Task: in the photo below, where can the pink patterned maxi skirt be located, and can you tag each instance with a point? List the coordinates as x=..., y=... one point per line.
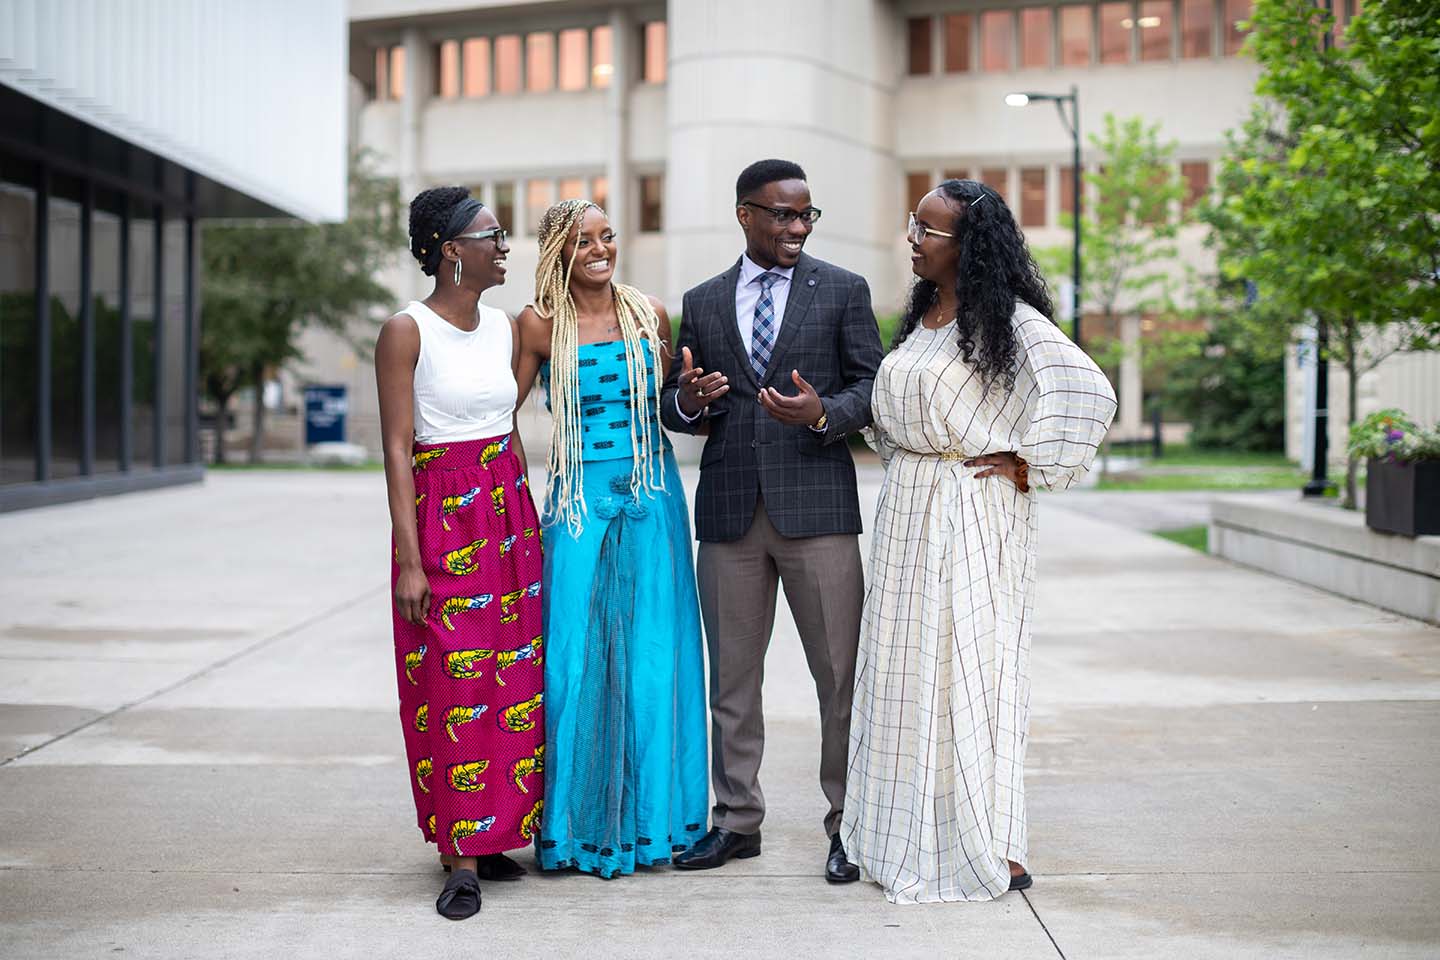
x=470, y=677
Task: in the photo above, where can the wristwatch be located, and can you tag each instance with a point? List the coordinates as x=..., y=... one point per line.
x=819, y=425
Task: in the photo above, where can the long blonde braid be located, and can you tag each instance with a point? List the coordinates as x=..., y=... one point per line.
x=564, y=485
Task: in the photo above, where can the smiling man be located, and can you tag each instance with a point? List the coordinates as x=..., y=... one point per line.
x=775, y=361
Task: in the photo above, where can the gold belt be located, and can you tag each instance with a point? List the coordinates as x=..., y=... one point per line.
x=952, y=455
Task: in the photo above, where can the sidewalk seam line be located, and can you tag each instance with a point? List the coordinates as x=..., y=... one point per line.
x=209, y=668
x=1024, y=896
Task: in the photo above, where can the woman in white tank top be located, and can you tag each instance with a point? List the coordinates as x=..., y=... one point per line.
x=466, y=568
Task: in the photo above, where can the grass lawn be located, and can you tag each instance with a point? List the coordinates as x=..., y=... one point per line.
x=1196, y=538
x=1249, y=478
x=1183, y=455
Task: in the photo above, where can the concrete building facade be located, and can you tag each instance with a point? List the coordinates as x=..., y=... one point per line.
x=652, y=108
x=123, y=124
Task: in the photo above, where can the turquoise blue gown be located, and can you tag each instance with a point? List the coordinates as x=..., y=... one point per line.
x=625, y=752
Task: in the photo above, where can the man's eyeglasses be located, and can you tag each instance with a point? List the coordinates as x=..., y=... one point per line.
x=784, y=215
x=916, y=232
x=497, y=233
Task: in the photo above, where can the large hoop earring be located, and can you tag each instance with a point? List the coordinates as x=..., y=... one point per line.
x=457, y=273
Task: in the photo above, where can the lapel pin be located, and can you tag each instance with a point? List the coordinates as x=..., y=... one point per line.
x=811, y=282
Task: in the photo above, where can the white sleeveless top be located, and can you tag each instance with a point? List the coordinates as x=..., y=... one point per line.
x=464, y=388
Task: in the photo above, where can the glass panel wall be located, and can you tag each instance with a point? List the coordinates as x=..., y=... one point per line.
x=66, y=349
x=18, y=350
x=173, y=330
x=144, y=381
x=105, y=290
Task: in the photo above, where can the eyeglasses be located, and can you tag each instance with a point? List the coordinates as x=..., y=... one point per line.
x=784, y=215
x=497, y=233
x=916, y=232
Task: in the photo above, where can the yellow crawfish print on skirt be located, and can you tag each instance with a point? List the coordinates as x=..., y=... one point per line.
x=477, y=785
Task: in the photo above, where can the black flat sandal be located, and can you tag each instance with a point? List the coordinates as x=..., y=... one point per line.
x=1021, y=882
x=497, y=866
x=460, y=899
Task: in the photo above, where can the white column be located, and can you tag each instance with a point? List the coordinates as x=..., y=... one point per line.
x=412, y=108
x=1132, y=390
x=618, y=174
x=736, y=94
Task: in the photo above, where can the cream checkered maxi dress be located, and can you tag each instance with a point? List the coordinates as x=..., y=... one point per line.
x=935, y=800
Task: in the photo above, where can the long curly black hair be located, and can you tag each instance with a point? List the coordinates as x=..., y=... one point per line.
x=994, y=269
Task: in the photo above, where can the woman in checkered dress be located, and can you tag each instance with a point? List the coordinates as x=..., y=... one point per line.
x=982, y=397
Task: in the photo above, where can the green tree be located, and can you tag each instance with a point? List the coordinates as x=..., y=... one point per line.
x=1127, y=230
x=265, y=282
x=1328, y=198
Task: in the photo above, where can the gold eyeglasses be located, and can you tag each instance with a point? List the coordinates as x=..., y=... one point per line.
x=916, y=232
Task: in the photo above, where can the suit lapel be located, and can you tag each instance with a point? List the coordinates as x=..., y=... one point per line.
x=797, y=305
x=723, y=305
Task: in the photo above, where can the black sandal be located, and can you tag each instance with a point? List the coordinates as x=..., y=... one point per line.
x=497, y=866
x=1021, y=881
x=461, y=897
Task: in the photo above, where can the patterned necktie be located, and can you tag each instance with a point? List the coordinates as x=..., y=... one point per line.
x=762, y=339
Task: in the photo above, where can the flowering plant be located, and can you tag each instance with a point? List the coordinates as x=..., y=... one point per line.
x=1391, y=435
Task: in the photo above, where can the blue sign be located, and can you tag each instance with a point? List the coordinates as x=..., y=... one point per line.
x=325, y=409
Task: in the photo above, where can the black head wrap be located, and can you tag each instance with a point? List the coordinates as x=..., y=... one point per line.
x=436, y=216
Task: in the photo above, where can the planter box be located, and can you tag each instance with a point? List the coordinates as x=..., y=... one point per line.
x=1403, y=498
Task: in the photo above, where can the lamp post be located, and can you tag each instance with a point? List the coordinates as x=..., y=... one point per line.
x=1072, y=124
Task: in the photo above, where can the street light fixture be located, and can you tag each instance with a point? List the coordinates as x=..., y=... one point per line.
x=1072, y=124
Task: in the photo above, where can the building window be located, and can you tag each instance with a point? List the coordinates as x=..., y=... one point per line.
x=447, y=70
x=916, y=186
x=574, y=59
x=1237, y=11
x=1035, y=37
x=918, y=30
x=1032, y=196
x=958, y=29
x=18, y=348
x=1067, y=193
x=507, y=64
x=1076, y=27
x=956, y=175
x=105, y=239
x=66, y=400
x=475, y=67
x=1197, y=20
x=652, y=198
x=390, y=73
x=1197, y=181
x=654, y=42
x=602, y=57
x=600, y=192
x=997, y=179
x=1155, y=23
x=997, y=41
x=505, y=204
x=537, y=201
x=143, y=307
x=540, y=62
x=572, y=188
x=174, y=334
x=1116, y=23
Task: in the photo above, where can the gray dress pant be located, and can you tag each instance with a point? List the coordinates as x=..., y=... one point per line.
x=824, y=585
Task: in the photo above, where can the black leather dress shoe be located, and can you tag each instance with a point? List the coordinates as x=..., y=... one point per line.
x=717, y=847
x=1021, y=881
x=837, y=868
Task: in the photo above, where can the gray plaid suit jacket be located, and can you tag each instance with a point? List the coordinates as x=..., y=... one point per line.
x=828, y=333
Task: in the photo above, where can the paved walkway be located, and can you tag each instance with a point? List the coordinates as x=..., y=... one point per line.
x=200, y=759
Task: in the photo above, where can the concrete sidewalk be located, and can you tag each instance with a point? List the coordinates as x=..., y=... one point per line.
x=1222, y=764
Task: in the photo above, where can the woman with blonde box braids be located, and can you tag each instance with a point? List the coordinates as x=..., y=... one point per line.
x=625, y=757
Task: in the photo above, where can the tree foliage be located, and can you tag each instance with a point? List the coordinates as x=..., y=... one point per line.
x=265, y=282
x=1329, y=199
